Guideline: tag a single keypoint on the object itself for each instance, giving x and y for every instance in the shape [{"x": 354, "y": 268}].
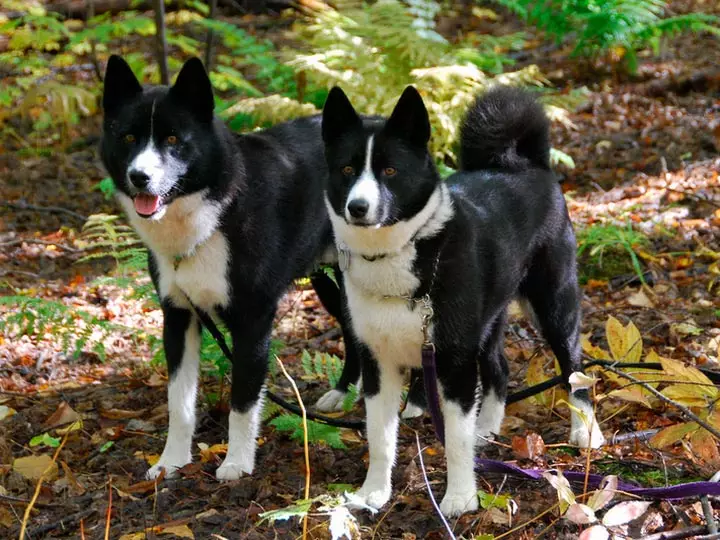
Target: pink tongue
[{"x": 146, "y": 204}]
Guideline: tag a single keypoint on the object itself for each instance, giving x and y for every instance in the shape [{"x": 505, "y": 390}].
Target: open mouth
[{"x": 147, "y": 205}]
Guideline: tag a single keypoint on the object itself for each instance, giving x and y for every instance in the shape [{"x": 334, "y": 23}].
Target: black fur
[{"x": 273, "y": 217}]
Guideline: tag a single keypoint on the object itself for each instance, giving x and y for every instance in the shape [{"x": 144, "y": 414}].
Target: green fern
[{"x": 317, "y": 433}]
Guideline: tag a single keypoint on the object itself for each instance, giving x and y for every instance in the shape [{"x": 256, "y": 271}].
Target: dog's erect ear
[
  {"x": 193, "y": 89},
  {"x": 338, "y": 115},
  {"x": 409, "y": 120},
  {"x": 120, "y": 84}
]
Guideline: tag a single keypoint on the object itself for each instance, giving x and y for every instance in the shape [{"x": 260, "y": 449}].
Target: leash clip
[
  {"x": 343, "y": 257},
  {"x": 427, "y": 314}
]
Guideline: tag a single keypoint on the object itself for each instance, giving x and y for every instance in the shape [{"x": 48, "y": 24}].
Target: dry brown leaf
[
  {"x": 64, "y": 414},
  {"x": 146, "y": 486},
  {"x": 596, "y": 532},
  {"x": 529, "y": 447},
  {"x": 34, "y": 467},
  {"x": 121, "y": 414},
  {"x": 580, "y": 514},
  {"x": 640, "y": 299}
]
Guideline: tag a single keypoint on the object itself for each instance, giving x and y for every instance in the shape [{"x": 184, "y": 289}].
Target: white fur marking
[
  {"x": 489, "y": 420},
  {"x": 331, "y": 401},
  {"x": 584, "y": 428},
  {"x": 366, "y": 187},
  {"x": 391, "y": 239},
  {"x": 188, "y": 229},
  {"x": 382, "y": 424},
  {"x": 242, "y": 443},
  {"x": 182, "y": 392},
  {"x": 411, "y": 411},
  {"x": 461, "y": 492}
]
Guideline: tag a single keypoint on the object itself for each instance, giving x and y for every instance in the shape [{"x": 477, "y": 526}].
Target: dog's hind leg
[
  {"x": 551, "y": 286},
  {"x": 332, "y": 297},
  {"x": 416, "y": 401},
  {"x": 250, "y": 331},
  {"x": 494, "y": 375},
  {"x": 181, "y": 337}
]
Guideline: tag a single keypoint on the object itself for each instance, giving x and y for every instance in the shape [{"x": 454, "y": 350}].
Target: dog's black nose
[
  {"x": 358, "y": 208},
  {"x": 139, "y": 179}
]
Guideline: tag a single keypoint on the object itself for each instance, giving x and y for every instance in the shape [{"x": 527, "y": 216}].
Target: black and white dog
[
  {"x": 496, "y": 230},
  {"x": 229, "y": 221}
]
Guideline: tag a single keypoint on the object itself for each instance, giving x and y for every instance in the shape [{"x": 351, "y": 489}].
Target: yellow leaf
[
  {"x": 681, "y": 372},
  {"x": 151, "y": 459},
  {"x": 705, "y": 447},
  {"x": 634, "y": 394},
  {"x": 625, "y": 341},
  {"x": 183, "y": 531},
  {"x": 133, "y": 536},
  {"x": 591, "y": 350},
  {"x": 672, "y": 434},
  {"x": 34, "y": 467},
  {"x": 75, "y": 426},
  {"x": 689, "y": 395},
  {"x": 6, "y": 412}
]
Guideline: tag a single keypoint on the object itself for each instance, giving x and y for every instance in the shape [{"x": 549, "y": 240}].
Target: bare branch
[{"x": 161, "y": 46}]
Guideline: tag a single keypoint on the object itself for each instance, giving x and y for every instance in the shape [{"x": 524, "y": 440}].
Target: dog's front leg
[
  {"x": 181, "y": 338},
  {"x": 383, "y": 387},
  {"x": 251, "y": 339}
]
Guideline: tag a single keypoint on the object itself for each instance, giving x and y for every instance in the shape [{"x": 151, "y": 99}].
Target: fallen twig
[
  {"x": 306, "y": 446},
  {"x": 677, "y": 535},
  {"x": 682, "y": 408},
  {"x": 52, "y": 209},
  {"x": 9, "y": 499},
  {"x": 29, "y": 507},
  {"x": 644, "y": 435},
  {"x": 62, "y": 522},
  {"x": 709, "y": 517},
  {"x": 19, "y": 241}
]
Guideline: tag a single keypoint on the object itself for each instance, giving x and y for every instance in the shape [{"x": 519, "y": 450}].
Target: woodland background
[{"x": 633, "y": 88}]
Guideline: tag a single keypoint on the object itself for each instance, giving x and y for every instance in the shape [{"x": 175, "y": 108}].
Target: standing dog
[
  {"x": 229, "y": 221},
  {"x": 463, "y": 249}
]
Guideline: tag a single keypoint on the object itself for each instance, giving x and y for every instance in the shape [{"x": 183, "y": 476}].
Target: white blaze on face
[{"x": 366, "y": 188}]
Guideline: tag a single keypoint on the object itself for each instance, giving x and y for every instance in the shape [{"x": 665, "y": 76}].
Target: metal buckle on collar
[{"x": 343, "y": 257}]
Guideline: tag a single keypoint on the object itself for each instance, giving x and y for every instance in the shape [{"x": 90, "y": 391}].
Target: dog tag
[{"x": 343, "y": 257}]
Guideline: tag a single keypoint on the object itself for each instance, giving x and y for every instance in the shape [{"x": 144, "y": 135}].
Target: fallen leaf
[
  {"x": 134, "y": 536},
  {"x": 625, "y": 512},
  {"x": 72, "y": 481},
  {"x": 121, "y": 414},
  {"x": 640, "y": 299},
  {"x": 75, "y": 426},
  {"x": 6, "y": 412},
  {"x": 151, "y": 459},
  {"x": 566, "y": 497},
  {"x": 596, "y": 532},
  {"x": 580, "y": 514},
  {"x": 183, "y": 531},
  {"x": 672, "y": 434},
  {"x": 625, "y": 342},
  {"x": 209, "y": 454},
  {"x": 529, "y": 447},
  {"x": 34, "y": 467},
  {"x": 604, "y": 494},
  {"x": 146, "y": 486},
  {"x": 64, "y": 414}
]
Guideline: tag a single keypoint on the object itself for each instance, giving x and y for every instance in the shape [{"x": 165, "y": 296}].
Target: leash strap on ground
[{"x": 679, "y": 491}]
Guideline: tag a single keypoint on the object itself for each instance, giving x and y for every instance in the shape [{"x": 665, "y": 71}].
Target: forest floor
[{"x": 647, "y": 153}]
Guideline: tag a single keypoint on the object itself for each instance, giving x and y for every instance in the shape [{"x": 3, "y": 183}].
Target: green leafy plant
[
  {"x": 597, "y": 26},
  {"x": 607, "y": 250},
  {"x": 373, "y": 50},
  {"x": 317, "y": 433}
]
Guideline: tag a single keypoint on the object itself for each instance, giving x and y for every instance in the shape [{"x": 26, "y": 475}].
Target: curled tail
[{"x": 505, "y": 128}]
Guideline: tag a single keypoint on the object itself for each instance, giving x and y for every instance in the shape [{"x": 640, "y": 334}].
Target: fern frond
[{"x": 270, "y": 109}]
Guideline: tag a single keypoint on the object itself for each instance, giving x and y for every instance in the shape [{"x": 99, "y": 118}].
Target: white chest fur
[
  {"x": 387, "y": 325},
  {"x": 188, "y": 229}
]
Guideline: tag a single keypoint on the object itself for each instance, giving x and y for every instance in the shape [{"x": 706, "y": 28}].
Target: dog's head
[
  {"x": 380, "y": 173},
  {"x": 157, "y": 140}
]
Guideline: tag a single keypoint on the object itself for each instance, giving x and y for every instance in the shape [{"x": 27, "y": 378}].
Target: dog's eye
[
  {"x": 129, "y": 138},
  {"x": 348, "y": 170},
  {"x": 172, "y": 139},
  {"x": 390, "y": 171}
]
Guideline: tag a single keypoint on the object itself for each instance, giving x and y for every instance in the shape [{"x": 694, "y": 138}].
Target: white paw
[
  {"x": 411, "y": 411},
  {"x": 231, "y": 471},
  {"x": 170, "y": 465},
  {"x": 331, "y": 401},
  {"x": 455, "y": 504},
  {"x": 483, "y": 436},
  {"x": 582, "y": 437},
  {"x": 373, "y": 497}
]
